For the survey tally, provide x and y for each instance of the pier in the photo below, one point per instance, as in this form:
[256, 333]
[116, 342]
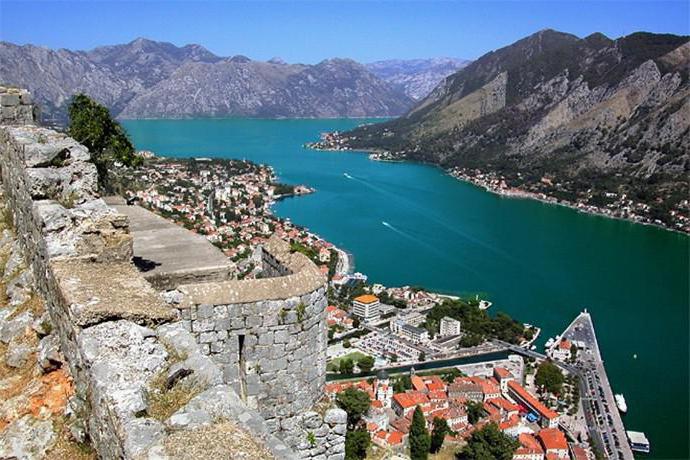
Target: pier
[603, 420]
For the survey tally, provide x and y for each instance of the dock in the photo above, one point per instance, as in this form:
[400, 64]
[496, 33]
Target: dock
[603, 419]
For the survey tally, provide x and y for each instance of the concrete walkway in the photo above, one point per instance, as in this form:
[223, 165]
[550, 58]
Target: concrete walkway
[169, 255]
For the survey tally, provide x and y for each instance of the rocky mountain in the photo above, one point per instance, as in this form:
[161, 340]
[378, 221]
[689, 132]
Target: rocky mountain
[145, 78]
[590, 121]
[417, 77]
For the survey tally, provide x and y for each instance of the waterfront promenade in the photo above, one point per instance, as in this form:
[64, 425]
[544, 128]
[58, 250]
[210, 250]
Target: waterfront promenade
[603, 419]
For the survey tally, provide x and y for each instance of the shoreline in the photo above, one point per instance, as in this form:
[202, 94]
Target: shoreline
[511, 194]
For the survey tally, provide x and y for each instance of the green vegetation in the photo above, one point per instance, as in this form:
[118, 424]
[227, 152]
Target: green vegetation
[355, 403]
[91, 124]
[549, 377]
[419, 436]
[346, 366]
[366, 363]
[475, 411]
[356, 444]
[402, 383]
[438, 434]
[284, 189]
[355, 357]
[489, 443]
[477, 324]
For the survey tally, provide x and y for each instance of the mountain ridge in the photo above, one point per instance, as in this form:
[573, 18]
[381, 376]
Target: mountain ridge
[147, 79]
[604, 121]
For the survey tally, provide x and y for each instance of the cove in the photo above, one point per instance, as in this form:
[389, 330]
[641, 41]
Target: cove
[413, 224]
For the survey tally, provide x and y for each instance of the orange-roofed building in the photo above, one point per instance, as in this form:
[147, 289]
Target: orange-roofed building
[547, 417]
[417, 383]
[562, 350]
[529, 449]
[503, 376]
[404, 403]
[366, 307]
[578, 452]
[554, 443]
[506, 407]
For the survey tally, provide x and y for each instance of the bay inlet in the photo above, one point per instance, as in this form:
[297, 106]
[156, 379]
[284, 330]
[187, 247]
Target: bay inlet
[413, 224]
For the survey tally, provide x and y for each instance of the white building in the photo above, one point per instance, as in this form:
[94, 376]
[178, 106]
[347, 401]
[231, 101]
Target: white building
[366, 307]
[449, 326]
[412, 333]
[412, 317]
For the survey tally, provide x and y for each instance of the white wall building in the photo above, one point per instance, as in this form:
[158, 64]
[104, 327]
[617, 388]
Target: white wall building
[449, 326]
[366, 307]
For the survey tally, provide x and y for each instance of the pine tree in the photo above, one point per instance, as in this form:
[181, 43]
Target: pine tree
[419, 436]
[438, 434]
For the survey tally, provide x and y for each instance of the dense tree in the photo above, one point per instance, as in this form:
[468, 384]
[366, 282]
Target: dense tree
[488, 443]
[355, 403]
[438, 434]
[549, 377]
[90, 123]
[346, 366]
[477, 324]
[366, 363]
[356, 444]
[402, 383]
[475, 411]
[419, 436]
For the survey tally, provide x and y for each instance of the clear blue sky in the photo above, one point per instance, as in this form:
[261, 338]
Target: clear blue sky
[309, 31]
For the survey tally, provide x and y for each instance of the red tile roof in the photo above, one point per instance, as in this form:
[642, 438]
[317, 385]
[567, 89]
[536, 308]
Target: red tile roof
[534, 403]
[410, 399]
[552, 438]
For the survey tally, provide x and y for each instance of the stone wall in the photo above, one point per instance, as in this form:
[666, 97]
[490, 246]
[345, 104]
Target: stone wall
[268, 335]
[114, 328]
[16, 107]
[250, 355]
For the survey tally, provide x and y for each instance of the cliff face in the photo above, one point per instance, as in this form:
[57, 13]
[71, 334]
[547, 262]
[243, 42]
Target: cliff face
[592, 113]
[152, 79]
[417, 77]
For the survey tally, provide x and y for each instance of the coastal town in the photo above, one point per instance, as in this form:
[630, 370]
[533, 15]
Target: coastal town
[547, 189]
[402, 348]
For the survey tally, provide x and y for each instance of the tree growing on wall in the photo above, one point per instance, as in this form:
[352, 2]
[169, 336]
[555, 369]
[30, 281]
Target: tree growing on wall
[90, 124]
[419, 436]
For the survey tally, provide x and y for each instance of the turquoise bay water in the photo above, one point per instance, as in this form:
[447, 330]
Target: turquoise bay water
[540, 263]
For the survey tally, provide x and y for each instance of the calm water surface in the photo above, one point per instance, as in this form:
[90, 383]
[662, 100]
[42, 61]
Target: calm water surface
[413, 224]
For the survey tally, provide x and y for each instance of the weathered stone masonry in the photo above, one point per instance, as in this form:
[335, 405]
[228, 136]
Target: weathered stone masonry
[117, 333]
[269, 334]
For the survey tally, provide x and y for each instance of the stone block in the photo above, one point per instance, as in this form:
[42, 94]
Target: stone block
[205, 311]
[9, 99]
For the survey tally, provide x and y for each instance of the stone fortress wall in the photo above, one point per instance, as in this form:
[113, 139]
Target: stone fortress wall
[268, 334]
[260, 367]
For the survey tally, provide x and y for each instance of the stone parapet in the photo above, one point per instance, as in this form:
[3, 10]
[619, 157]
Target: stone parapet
[112, 325]
[16, 106]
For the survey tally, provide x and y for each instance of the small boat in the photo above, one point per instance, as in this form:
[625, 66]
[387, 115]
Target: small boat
[620, 402]
[549, 343]
[638, 441]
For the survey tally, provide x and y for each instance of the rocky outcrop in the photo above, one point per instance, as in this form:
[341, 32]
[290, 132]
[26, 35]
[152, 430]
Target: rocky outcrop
[145, 79]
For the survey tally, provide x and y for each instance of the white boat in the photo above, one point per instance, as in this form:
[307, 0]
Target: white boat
[549, 343]
[638, 441]
[620, 402]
